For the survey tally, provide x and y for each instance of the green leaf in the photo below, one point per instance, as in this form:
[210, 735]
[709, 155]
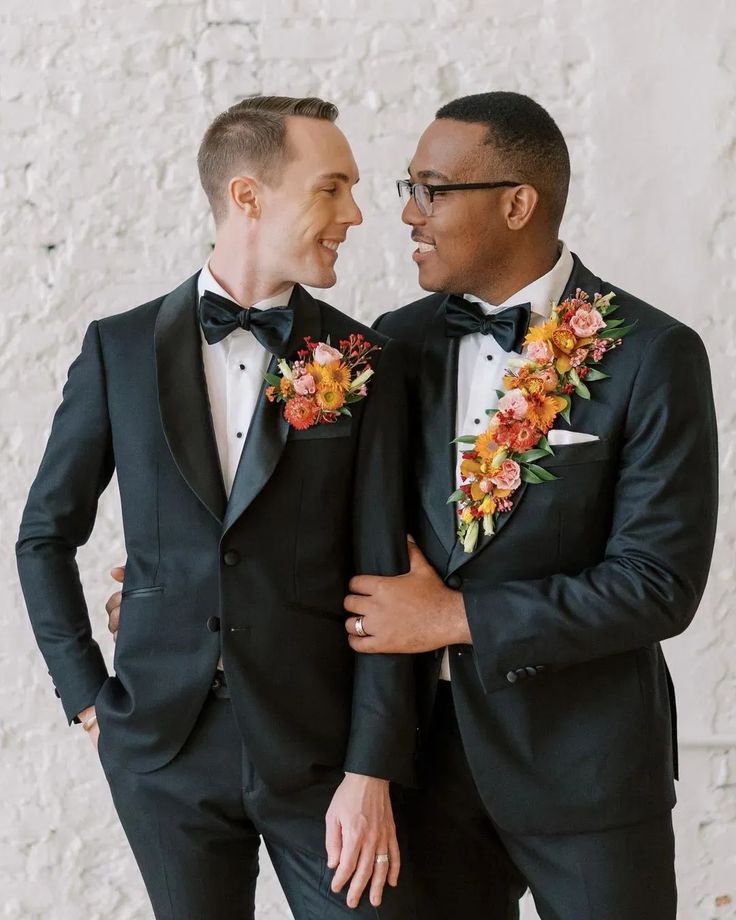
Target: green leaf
[464, 439]
[500, 393]
[594, 374]
[491, 411]
[456, 496]
[541, 473]
[612, 309]
[535, 454]
[565, 413]
[582, 391]
[273, 379]
[543, 444]
[618, 333]
[346, 411]
[615, 323]
[573, 375]
[528, 476]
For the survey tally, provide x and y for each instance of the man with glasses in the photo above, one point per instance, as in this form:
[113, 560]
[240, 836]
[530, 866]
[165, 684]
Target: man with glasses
[548, 743]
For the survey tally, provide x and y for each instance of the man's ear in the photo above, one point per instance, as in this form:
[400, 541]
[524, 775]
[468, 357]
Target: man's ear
[243, 195]
[521, 203]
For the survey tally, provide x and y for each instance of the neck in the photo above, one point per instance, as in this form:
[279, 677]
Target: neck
[516, 274]
[235, 268]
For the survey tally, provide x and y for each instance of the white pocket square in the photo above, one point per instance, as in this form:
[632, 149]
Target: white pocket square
[557, 437]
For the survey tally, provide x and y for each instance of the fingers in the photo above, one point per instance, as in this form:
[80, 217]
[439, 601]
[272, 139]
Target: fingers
[113, 622]
[416, 556]
[351, 625]
[349, 856]
[381, 872]
[356, 603]
[362, 875]
[395, 856]
[333, 841]
[118, 573]
[364, 584]
[366, 646]
[114, 601]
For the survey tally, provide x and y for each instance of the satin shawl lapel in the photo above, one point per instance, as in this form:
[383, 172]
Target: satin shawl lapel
[580, 277]
[182, 396]
[268, 430]
[438, 404]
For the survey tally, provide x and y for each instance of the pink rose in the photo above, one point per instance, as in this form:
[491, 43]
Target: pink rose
[549, 378]
[586, 322]
[514, 404]
[539, 352]
[507, 476]
[304, 385]
[324, 354]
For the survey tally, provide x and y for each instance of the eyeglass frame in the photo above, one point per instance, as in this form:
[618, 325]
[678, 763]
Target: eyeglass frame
[432, 190]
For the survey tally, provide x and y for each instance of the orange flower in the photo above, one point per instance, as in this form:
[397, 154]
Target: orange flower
[542, 333]
[543, 410]
[270, 393]
[286, 388]
[332, 376]
[485, 444]
[301, 412]
[565, 341]
[330, 400]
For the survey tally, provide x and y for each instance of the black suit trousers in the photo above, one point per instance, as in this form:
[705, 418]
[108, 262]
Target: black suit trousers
[195, 826]
[465, 866]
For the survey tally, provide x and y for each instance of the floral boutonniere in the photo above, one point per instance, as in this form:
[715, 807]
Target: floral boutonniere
[320, 385]
[560, 359]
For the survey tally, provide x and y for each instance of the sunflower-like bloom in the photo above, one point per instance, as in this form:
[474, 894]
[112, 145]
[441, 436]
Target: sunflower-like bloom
[330, 400]
[543, 410]
[332, 376]
[542, 333]
[485, 445]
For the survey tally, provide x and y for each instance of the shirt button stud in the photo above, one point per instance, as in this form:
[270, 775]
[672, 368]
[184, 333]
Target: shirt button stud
[242, 367]
[231, 557]
[240, 434]
[489, 357]
[477, 421]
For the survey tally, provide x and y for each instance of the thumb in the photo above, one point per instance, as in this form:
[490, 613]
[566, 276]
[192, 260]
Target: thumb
[417, 559]
[118, 573]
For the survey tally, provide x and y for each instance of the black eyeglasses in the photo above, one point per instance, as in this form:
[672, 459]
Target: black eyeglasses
[424, 194]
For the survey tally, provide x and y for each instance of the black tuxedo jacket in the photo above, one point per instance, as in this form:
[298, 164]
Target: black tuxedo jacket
[259, 579]
[564, 701]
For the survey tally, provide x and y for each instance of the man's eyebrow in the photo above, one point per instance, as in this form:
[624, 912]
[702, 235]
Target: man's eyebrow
[430, 174]
[342, 177]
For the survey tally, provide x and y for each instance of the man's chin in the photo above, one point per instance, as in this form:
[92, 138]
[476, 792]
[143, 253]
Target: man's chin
[432, 283]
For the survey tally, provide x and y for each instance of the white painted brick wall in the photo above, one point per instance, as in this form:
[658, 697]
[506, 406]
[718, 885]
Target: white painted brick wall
[102, 105]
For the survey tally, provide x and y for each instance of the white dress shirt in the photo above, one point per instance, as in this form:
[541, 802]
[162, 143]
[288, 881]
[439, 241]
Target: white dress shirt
[482, 362]
[234, 369]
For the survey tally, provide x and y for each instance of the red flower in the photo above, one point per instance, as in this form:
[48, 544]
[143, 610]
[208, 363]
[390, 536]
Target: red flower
[517, 436]
[301, 412]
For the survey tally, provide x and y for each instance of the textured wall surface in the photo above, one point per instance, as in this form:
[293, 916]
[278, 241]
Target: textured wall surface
[102, 106]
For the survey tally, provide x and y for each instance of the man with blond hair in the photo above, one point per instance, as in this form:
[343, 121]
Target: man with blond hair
[237, 711]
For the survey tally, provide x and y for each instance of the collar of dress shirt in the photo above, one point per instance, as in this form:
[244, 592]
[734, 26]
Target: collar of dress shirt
[541, 292]
[208, 282]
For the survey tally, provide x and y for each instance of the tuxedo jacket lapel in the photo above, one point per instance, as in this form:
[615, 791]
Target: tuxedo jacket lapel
[438, 406]
[268, 430]
[183, 400]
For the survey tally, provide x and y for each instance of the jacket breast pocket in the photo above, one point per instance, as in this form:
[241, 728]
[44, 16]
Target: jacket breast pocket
[573, 454]
[340, 429]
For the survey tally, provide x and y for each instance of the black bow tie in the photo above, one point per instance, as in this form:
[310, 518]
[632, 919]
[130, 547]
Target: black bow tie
[220, 316]
[508, 328]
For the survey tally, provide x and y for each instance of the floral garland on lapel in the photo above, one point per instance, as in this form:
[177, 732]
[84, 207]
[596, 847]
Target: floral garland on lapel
[561, 356]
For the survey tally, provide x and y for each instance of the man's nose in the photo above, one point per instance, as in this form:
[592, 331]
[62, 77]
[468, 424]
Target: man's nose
[412, 215]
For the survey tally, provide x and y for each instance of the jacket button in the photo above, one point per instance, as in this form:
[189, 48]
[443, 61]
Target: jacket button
[532, 672]
[512, 677]
[541, 668]
[213, 624]
[454, 582]
[521, 673]
[231, 557]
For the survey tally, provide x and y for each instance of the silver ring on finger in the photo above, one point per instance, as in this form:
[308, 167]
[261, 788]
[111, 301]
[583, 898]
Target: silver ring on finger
[382, 858]
[359, 628]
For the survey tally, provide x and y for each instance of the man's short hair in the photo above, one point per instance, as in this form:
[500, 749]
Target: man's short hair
[251, 135]
[530, 146]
